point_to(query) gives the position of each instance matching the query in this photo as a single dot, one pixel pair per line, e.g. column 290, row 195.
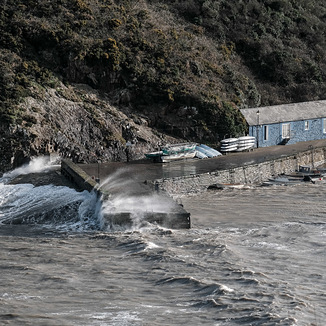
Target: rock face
column 75, row 122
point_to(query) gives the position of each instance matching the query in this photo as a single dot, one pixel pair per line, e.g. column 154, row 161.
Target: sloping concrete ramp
column 127, row 201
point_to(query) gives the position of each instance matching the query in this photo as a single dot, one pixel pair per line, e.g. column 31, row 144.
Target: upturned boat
column 173, row 152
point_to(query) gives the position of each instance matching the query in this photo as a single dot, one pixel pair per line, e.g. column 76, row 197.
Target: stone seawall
column 77, row 176
column 248, row 174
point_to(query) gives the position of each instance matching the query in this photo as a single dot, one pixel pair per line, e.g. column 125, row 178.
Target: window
column 306, row 125
column 265, row 133
column 286, row 131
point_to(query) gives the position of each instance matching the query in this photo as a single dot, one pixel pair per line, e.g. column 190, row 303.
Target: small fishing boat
column 211, row 150
column 204, row 151
column 308, row 173
column 285, row 180
column 221, row 186
column 178, row 148
column 173, row 152
column 154, row 154
column 200, row 154
column 178, row 156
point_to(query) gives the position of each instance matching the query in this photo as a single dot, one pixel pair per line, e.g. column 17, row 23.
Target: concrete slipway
column 151, row 186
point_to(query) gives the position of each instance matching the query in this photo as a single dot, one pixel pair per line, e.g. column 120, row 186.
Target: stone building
column 287, row 123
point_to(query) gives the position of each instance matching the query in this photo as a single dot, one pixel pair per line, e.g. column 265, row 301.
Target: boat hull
column 177, row 156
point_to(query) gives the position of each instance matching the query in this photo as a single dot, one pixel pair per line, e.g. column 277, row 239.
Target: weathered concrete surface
column 143, row 178
column 275, row 160
column 144, row 170
column 77, row 176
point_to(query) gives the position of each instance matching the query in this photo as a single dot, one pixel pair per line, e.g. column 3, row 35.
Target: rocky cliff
column 76, row 122
column 86, row 78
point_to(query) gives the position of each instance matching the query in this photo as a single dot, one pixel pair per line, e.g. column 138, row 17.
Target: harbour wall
column 247, row 174
column 176, row 217
column 78, row 177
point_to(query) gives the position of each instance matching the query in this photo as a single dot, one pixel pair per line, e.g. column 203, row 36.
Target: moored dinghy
column 221, row 186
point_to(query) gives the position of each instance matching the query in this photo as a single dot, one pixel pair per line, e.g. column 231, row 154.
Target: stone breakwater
column 246, row 174
column 165, row 211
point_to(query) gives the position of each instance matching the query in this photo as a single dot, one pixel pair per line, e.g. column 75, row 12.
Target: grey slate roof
column 285, row 112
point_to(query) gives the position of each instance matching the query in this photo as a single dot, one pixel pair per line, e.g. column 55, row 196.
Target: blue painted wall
column 298, row 132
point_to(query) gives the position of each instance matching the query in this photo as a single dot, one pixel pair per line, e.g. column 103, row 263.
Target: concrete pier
column 128, row 197
column 143, row 178
column 77, row 176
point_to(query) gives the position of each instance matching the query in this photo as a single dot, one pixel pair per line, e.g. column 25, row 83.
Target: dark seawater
column 253, row 257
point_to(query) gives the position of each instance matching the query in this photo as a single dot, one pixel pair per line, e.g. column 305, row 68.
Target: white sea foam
column 226, row 288
column 127, row 196
column 115, row 180
column 39, row 164
column 151, row 245
column 25, row 202
column 49, row 205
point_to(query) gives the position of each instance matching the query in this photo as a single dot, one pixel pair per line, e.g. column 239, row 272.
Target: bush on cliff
column 216, row 56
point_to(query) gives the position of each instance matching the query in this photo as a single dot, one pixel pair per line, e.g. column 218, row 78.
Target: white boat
column 288, row 181
column 307, row 170
column 246, row 143
column 200, row 154
column 229, row 141
column 178, row 156
column 178, row 148
column 229, row 145
column 173, row 152
column 221, row 186
column 229, row 148
column 242, row 148
column 211, row 150
column 237, row 144
column 247, row 139
column 207, row 151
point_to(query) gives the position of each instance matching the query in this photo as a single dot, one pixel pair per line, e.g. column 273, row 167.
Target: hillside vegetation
column 185, row 66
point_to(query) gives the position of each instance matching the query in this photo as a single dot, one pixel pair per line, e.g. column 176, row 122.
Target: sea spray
column 48, row 205
column 117, row 180
column 129, row 201
column 36, row 165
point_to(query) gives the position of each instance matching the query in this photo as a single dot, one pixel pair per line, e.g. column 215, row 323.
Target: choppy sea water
column 252, row 257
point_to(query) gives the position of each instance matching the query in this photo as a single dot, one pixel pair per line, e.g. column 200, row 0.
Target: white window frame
column 286, row 130
column 265, row 132
column 306, row 125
